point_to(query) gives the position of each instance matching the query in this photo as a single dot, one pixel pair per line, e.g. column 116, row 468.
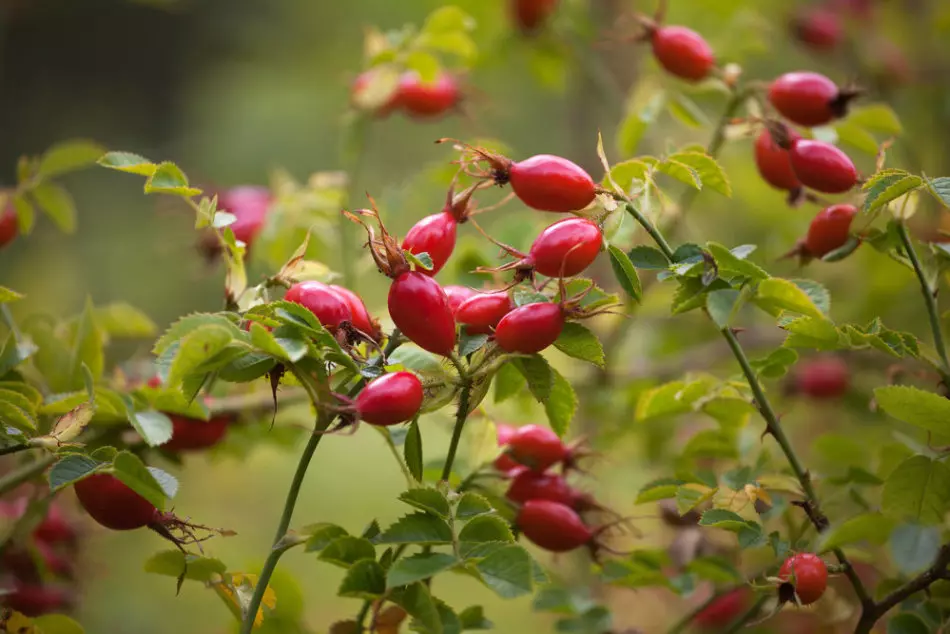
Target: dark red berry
column 434, row 235
column 34, row 563
column 361, row 319
column 551, row 183
column 553, row 526
column 822, row 166
column 682, row 52
column 328, row 306
column 457, row 295
column 530, row 328
column 822, row 377
column 420, row 309
column 8, row 225
column 537, row 447
column 362, row 84
column 55, row 528
column 773, row 162
column 249, row 205
column 531, row 485
column 819, row 29
column 566, row 248
column 504, row 462
column 481, row 313
column 35, row 599
column 192, row 434
column 807, row 573
column 807, row 98
column 829, row 230
column 428, row 99
column 114, row 505
column 390, row 399
column 530, row 15
column 724, row 609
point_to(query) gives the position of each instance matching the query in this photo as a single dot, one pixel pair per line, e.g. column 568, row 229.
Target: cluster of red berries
column 417, row 98
column 37, row 573
column 550, row 511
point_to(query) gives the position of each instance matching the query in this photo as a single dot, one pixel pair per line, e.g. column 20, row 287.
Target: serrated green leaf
column 661, row 489
column 776, row 295
column 537, row 372
column 428, row 499
column 579, row 342
column 486, row 528
column 68, row 156
column 128, row 162
column 561, row 403
column 58, row 205
column 721, row 518
column 940, row 187
column 189, row 323
column 471, row 505
column 418, row 567
column 417, row 601
column 648, row 258
column 321, row 535
column 469, row 344
column 167, row 178
column 681, row 172
column 907, row 623
column 365, row 579
column 507, row 571
column 710, row 172
column 196, row 348
column 625, row 272
column 919, row 490
column 919, row 408
column 473, row 618
column 869, row 527
column 128, row 468
column 728, row 262
column 347, row 550
column 86, row 347
column 883, row 189
column 155, row 428
column 69, row 469
column 417, row 528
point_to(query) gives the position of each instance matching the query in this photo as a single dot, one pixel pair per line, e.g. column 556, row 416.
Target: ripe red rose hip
column 328, row 306
column 819, row 29
column 531, row 485
column 390, row 399
column 249, row 205
column 530, row 328
column 191, row 434
column 537, row 447
column 113, row 504
column 724, row 610
column 505, row 463
column 822, row 166
column 361, row 319
column 829, row 230
column 553, row 526
column 481, row 313
column 807, row 574
column 808, row 99
column 566, row 248
column 530, row 15
column 774, row 163
column 551, row 183
column 428, row 99
column 420, row 309
column 457, row 295
column 8, row 225
column 434, row 235
column 55, row 528
column 682, row 52
column 822, row 377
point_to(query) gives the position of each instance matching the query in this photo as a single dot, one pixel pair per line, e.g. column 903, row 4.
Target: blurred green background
column 233, row 89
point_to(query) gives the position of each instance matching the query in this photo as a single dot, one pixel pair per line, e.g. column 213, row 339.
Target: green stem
column 750, row 614
column 930, row 300
column 323, row 422
column 460, row 417
column 651, row 229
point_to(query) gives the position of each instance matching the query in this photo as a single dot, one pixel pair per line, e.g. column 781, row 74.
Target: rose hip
column 809, row 99
column 829, row 230
column 566, row 248
column 530, row 15
column 457, row 295
column 390, row 399
column 530, row 328
column 481, row 313
column 822, row 166
column 682, row 52
column 192, row 434
column 551, row 183
column 420, row 309
column 531, row 485
column 774, row 163
column 328, row 306
column 8, row 224
column 807, row 574
column 825, row 377
column 818, row 29
column 553, row 526
column 504, row 462
column 250, row 205
column 113, row 504
column 428, row 99
column 537, row 447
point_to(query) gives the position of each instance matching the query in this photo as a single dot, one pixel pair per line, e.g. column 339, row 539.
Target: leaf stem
column 324, row 419
column 461, row 415
column 930, row 300
column 651, row 229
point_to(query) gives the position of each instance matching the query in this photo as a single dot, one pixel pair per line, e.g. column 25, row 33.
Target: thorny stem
column 930, row 300
column 323, row 422
column 460, row 416
column 774, row 427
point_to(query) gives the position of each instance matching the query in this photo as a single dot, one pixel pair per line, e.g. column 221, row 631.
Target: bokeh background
column 232, row 90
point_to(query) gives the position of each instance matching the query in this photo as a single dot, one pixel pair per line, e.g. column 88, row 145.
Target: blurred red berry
column 819, row 29
column 823, row 377
column 774, row 163
column 530, row 15
column 830, row 229
column 428, row 99
column 8, row 225
column 682, row 52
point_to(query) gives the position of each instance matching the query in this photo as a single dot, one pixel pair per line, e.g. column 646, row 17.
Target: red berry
column 724, row 609
column 830, row 229
column 250, row 206
column 529, row 15
column 531, row 485
column 329, row 307
column 683, row 52
column 480, row 314
column 822, row 166
column 428, row 99
column 818, row 29
column 566, row 248
column 114, row 505
column 530, row 328
column 773, row 162
column 362, row 84
column 551, row 183
column 823, row 377
column 505, row 463
column 807, row 98
column 808, row 574
column 553, row 526
column 434, row 235
column 361, row 318
column 34, row 599
column 8, row 225
column 192, row 434
column 390, row 399
column 537, row 447
column 420, row 309
column 457, row 295
column 55, row 528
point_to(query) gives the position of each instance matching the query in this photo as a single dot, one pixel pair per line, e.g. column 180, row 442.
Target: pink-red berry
column 682, row 52
column 457, row 295
column 328, row 306
column 537, row 448
column 390, row 399
column 481, row 313
column 774, row 163
column 822, row 166
column 531, row 485
column 806, row 98
column 113, row 504
column 428, row 99
column 363, row 83
column 530, row 328
column 829, row 230
column 551, row 183
column 9, row 226
column 819, row 29
column 420, row 309
column 530, row 15
column 566, row 248
column 823, row 377
column 504, row 462
column 361, row 319
column 192, row 434
column 249, row 205
column 434, row 235
column 553, row 526
column 807, row 573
